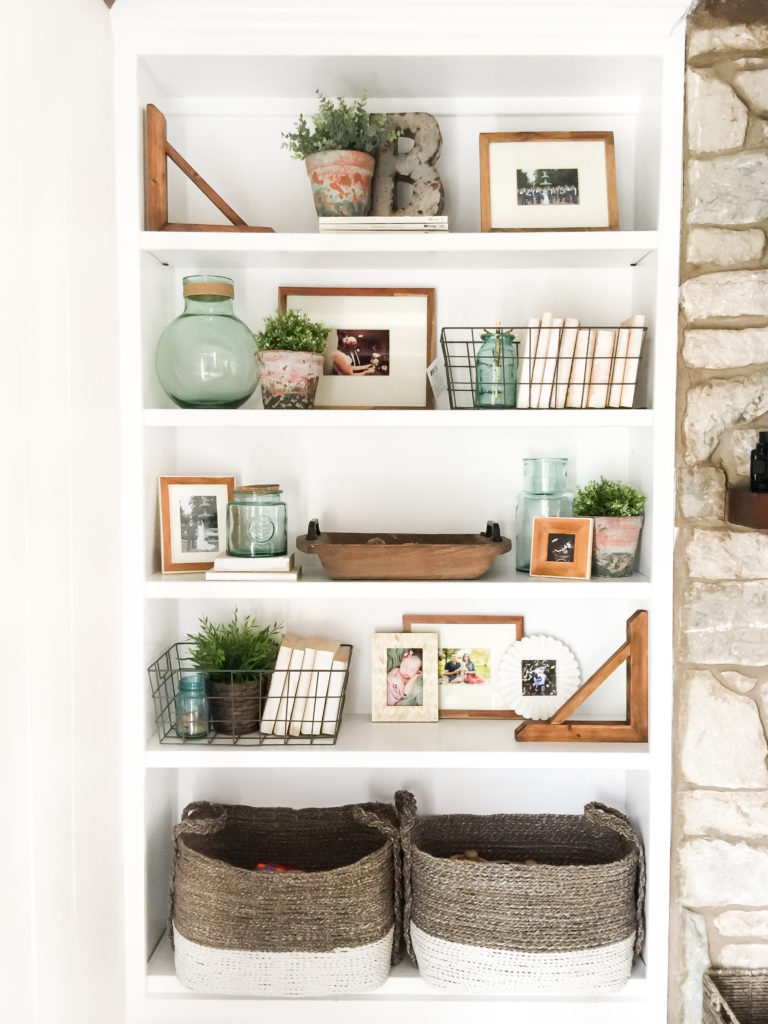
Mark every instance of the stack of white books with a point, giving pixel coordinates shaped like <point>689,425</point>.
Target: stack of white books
<point>306,689</point>
<point>394,223</point>
<point>268,568</point>
<point>566,366</point>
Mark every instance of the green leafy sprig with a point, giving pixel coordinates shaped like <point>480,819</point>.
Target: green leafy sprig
<point>608,498</point>
<point>292,330</point>
<point>338,125</point>
<point>241,645</point>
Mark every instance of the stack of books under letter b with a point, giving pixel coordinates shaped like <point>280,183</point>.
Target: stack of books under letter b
<point>306,689</point>
<point>269,568</point>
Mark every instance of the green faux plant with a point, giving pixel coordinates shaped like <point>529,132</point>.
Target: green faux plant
<point>240,645</point>
<point>294,331</point>
<point>608,498</point>
<point>338,125</point>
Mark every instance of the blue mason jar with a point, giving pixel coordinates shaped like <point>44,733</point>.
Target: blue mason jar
<point>192,717</point>
<point>496,368</point>
<point>257,522</point>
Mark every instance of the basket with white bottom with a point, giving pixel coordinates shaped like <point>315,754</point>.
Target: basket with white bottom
<point>547,903</point>
<point>282,902</point>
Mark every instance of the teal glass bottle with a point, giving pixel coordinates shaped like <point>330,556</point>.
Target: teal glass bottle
<point>192,720</point>
<point>257,522</point>
<point>496,370</point>
<point>544,494</point>
<point>206,357</point>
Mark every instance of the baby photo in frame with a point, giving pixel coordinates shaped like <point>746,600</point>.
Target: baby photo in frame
<point>404,677</point>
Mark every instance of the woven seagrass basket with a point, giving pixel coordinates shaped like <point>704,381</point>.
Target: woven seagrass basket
<point>331,927</point>
<point>735,996</point>
<point>557,908</point>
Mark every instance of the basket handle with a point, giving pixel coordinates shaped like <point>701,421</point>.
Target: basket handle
<point>609,817</point>
<point>213,820</point>
<point>405,803</point>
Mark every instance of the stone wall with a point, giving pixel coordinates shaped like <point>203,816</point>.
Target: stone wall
<point>720,814</point>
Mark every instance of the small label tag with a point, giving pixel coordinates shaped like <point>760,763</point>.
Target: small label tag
<point>436,375</point>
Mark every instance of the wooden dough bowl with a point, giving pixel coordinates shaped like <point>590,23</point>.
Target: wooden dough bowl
<point>405,556</point>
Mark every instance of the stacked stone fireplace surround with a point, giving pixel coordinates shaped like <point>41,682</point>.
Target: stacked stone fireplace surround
<point>720,814</point>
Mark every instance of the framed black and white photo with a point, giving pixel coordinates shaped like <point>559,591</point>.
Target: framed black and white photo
<point>537,675</point>
<point>193,518</point>
<point>404,677</point>
<point>548,181</point>
<point>379,347</point>
<point>468,658</point>
<point>562,547</point>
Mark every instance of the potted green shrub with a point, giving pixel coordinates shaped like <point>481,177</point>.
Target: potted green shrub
<point>291,348</point>
<point>339,151</point>
<point>238,657</point>
<point>617,510</point>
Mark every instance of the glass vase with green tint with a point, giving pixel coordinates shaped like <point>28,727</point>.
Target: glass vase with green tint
<point>544,494</point>
<point>496,370</point>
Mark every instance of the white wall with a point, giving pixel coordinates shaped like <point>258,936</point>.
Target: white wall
<point>59,750</point>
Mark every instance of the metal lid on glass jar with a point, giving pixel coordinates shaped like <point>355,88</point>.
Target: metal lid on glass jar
<point>205,285</point>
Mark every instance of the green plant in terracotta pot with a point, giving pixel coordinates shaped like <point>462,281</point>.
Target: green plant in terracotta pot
<point>291,347</point>
<point>339,150</point>
<point>617,510</point>
<point>238,657</point>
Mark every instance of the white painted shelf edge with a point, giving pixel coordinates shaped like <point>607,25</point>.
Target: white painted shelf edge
<point>449,743</point>
<point>403,982</point>
<point>300,419</point>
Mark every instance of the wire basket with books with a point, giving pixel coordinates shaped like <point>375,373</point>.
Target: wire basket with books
<point>550,363</point>
<point>300,701</point>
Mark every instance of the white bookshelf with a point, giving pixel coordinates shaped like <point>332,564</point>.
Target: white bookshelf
<point>228,90</point>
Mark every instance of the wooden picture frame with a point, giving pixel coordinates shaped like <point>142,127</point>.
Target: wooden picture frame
<point>404,677</point>
<point>548,181</point>
<point>188,533</point>
<point>470,633</point>
<point>562,547</point>
<point>401,322</point>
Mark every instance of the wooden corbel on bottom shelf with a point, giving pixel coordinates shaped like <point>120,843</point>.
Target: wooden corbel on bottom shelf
<point>158,150</point>
<point>634,729</point>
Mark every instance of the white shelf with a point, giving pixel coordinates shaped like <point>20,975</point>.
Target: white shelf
<point>403,983</point>
<point>449,743</point>
<point>300,419</point>
<point>500,582</point>
<point>403,250</point>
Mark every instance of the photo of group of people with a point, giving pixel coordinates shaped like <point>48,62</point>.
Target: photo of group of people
<point>551,187</point>
<point>360,353</point>
<point>464,667</point>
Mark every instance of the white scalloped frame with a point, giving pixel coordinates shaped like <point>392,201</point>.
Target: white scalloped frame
<point>534,648</point>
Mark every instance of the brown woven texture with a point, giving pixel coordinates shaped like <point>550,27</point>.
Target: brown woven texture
<point>735,996</point>
<point>235,706</point>
<point>342,896</point>
<point>586,888</point>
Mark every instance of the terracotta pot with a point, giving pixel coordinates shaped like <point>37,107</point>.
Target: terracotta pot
<point>289,379</point>
<point>614,545</point>
<point>341,182</point>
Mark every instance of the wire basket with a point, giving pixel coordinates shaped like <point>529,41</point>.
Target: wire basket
<point>543,368</point>
<point>252,708</point>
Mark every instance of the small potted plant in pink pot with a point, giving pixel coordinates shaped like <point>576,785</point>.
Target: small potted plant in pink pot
<point>291,348</point>
<point>339,151</point>
<point>617,510</point>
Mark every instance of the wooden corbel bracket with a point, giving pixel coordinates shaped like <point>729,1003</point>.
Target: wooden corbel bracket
<point>158,150</point>
<point>634,729</point>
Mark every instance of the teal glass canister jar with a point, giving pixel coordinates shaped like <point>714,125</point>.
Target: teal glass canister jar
<point>206,357</point>
<point>192,721</point>
<point>257,522</point>
<point>496,369</point>
<point>544,494</point>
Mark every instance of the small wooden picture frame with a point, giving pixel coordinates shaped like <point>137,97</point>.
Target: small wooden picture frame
<point>562,547</point>
<point>404,677</point>
<point>548,181</point>
<point>193,521</point>
<point>470,651</point>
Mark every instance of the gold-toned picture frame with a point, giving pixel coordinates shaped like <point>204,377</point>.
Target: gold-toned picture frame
<point>479,643</point>
<point>562,547</point>
<point>394,371</point>
<point>548,181</point>
<point>193,521</point>
<point>404,677</point>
